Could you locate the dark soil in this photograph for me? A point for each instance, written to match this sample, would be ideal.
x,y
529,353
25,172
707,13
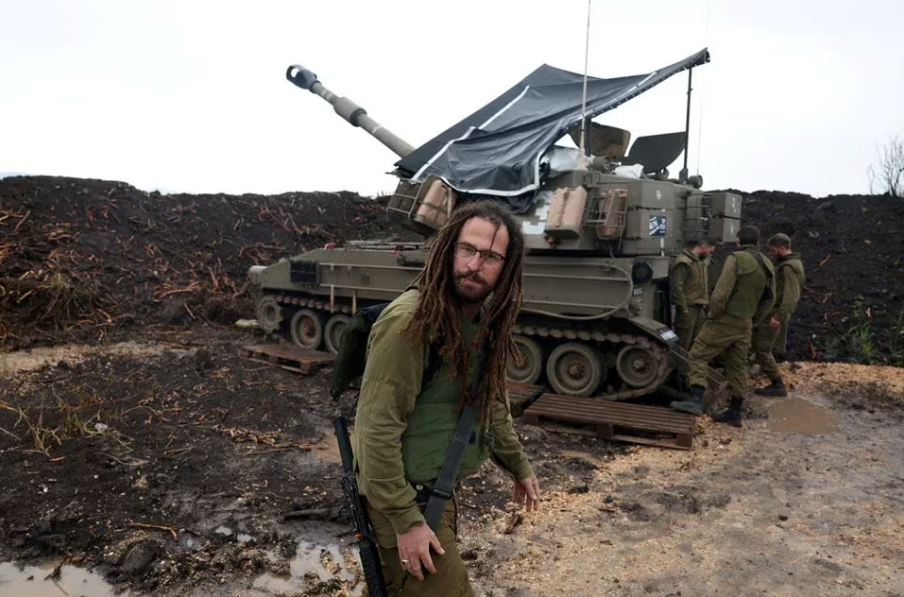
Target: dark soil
x,y
132,463
852,308
94,260
190,438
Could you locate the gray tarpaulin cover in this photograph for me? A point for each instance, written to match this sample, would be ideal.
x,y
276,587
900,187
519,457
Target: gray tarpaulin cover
x,y
497,149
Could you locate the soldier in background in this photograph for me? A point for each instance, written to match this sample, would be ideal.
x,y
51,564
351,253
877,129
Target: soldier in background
x,y
689,281
744,294
789,285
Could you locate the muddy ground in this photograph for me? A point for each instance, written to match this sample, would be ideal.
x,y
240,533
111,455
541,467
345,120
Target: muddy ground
x,y
141,453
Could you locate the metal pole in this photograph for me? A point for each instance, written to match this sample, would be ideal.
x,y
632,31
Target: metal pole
x,y
585,124
682,176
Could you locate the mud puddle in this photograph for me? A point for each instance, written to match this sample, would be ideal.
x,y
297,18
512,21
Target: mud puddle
x,y
34,581
796,415
316,568
321,565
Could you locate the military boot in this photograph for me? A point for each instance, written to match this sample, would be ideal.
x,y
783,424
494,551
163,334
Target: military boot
x,y
694,405
776,388
731,415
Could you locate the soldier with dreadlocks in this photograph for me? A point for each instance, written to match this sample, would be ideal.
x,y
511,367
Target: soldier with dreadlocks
x,y
469,290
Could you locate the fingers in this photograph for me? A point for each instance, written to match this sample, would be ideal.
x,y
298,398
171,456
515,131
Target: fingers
x,y
527,494
414,567
518,495
419,559
532,491
425,558
436,545
412,564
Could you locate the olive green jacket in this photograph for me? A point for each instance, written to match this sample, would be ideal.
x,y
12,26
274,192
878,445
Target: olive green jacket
x,y
389,403
789,285
689,281
746,288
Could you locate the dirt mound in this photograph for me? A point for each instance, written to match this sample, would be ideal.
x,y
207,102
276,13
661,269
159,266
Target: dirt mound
x,y
90,259
87,259
852,308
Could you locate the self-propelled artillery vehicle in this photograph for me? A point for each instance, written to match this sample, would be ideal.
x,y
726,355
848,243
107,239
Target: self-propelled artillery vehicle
x,y
601,223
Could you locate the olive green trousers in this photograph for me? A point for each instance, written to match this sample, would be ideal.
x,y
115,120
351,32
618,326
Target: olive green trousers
x,y
688,325
764,344
729,337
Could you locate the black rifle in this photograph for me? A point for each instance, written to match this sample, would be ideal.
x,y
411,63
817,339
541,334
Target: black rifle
x,y
367,546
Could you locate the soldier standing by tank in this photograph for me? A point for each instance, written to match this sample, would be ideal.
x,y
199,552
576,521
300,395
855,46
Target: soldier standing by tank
x,y
789,284
689,281
744,294
469,290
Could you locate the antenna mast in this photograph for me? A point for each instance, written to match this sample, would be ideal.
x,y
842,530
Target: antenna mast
x,y
584,148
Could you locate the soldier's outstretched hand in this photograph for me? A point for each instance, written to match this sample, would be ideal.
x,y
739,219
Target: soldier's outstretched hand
x,y
527,493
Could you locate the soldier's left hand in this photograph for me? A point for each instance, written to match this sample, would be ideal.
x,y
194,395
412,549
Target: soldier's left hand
x,y
527,493
775,323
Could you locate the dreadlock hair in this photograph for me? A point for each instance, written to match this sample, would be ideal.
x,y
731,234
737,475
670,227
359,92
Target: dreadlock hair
x,y
438,316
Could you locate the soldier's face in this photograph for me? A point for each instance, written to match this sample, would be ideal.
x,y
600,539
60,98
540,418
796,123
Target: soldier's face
x,y
477,272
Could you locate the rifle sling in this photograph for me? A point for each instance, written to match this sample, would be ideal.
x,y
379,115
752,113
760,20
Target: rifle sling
x,y
445,482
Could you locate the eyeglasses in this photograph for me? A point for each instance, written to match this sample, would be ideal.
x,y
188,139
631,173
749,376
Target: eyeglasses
x,y
466,251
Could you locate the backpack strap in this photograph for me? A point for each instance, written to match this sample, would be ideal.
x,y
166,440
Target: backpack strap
x,y
759,259
766,270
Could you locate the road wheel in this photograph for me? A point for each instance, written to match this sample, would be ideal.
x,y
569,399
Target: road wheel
x,y
335,325
527,365
636,365
575,369
306,329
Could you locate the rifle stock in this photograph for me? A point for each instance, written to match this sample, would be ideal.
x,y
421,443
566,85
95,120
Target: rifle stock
x,y
367,546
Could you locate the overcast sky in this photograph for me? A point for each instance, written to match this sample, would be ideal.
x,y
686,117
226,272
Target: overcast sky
x,y
191,95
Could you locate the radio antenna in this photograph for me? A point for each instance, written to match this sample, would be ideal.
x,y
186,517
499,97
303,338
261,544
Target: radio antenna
x,y
584,144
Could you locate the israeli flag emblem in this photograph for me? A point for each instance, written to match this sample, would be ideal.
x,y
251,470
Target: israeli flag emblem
x,y
657,225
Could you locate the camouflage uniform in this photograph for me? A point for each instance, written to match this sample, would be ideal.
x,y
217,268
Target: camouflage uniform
x,y
689,281
744,294
790,277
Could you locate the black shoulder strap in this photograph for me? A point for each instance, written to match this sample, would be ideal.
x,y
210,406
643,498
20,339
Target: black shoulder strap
x,y
445,482
759,259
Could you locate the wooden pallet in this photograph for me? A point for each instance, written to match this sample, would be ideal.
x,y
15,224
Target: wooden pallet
x,y
289,357
619,421
522,395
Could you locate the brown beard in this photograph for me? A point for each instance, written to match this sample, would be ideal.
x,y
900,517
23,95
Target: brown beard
x,y
469,296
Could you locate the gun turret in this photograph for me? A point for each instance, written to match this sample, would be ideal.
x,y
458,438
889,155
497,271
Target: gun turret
x,y
349,110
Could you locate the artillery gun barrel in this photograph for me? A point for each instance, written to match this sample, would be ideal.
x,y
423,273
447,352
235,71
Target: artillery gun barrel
x,y
349,110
